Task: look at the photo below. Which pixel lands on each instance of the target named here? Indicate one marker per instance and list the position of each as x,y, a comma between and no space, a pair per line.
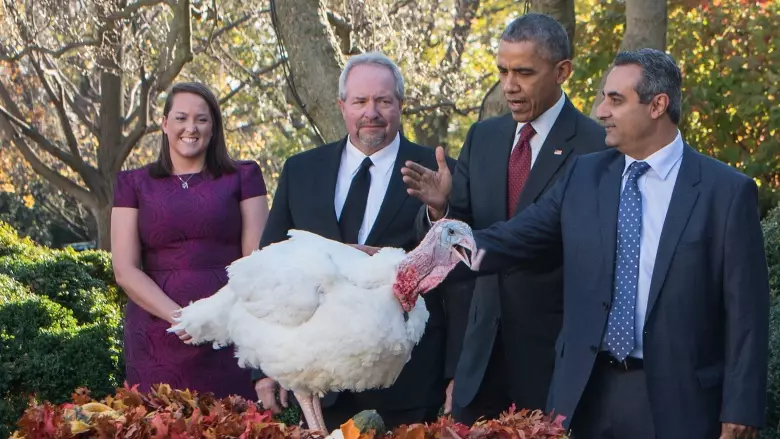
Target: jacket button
496,320
594,349
606,305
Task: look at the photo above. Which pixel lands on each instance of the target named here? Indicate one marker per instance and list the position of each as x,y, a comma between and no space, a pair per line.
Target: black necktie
355,206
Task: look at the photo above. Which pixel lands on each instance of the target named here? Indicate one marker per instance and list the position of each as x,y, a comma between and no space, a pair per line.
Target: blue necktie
620,330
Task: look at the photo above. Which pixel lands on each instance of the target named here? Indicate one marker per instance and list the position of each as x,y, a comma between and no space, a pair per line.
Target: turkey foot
312,412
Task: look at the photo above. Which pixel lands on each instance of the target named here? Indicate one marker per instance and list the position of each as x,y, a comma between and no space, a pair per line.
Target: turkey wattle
317,315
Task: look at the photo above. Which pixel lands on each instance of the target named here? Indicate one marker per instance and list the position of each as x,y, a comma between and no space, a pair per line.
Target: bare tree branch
140,129
13,116
131,9
56,53
232,25
445,104
75,106
56,99
40,168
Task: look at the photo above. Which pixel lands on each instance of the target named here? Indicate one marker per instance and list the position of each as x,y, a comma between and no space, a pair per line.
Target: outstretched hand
432,188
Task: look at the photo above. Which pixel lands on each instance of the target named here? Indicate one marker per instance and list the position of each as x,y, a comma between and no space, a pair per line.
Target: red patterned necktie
519,167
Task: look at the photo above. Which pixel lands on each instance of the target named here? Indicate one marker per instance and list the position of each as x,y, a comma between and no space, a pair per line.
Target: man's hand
432,188
448,398
266,393
736,431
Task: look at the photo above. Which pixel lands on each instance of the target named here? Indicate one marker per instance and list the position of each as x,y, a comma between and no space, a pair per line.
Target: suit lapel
684,197
496,150
324,189
609,200
396,193
551,156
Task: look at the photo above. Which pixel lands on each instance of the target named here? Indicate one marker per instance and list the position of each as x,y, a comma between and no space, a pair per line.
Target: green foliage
771,228
730,58
60,325
772,430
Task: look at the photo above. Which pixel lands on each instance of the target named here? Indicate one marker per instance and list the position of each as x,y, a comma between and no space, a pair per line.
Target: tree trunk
645,28
314,61
494,103
110,141
101,216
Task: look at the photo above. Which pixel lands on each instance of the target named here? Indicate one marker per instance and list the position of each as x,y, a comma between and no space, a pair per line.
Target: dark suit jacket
706,329
526,302
304,201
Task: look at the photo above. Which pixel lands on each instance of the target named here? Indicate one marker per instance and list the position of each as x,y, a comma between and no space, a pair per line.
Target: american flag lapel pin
558,152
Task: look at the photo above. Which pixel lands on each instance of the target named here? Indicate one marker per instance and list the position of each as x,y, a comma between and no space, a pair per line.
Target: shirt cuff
428,214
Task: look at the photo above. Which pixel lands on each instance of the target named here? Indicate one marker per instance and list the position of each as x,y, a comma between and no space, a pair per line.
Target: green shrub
771,226
60,325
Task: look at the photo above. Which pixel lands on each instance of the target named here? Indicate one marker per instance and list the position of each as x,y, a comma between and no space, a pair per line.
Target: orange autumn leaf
417,431
349,430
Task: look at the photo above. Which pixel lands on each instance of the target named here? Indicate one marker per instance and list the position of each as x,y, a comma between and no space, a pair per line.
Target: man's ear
563,70
659,105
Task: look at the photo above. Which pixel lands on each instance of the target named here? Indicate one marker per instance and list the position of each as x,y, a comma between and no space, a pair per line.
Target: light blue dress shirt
656,187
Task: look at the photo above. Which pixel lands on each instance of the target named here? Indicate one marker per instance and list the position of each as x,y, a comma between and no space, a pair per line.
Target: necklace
184,182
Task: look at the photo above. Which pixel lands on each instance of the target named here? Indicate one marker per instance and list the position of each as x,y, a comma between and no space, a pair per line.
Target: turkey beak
464,249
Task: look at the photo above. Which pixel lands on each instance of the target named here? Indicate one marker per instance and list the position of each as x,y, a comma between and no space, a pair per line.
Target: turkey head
447,243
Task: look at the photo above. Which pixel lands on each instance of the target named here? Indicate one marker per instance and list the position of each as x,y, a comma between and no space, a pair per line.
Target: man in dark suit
666,294
507,163
352,191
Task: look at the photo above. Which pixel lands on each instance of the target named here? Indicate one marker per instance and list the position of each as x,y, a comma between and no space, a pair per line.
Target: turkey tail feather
206,320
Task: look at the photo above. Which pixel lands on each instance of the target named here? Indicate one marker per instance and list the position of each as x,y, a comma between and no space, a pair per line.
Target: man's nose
601,111
371,110
509,85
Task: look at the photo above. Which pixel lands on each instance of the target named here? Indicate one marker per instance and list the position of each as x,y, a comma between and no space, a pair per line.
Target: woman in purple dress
175,226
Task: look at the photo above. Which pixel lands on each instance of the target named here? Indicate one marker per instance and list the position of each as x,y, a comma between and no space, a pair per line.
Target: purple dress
188,237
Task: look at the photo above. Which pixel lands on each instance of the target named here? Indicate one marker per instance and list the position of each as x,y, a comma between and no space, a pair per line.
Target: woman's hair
218,160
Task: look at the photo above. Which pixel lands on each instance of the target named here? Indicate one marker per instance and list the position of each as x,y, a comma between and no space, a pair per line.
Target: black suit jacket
707,322
527,303
304,200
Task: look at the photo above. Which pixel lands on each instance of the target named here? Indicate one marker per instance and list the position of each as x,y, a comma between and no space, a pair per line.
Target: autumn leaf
349,430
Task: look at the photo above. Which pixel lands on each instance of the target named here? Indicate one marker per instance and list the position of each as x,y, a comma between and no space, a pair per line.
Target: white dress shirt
656,186
381,172
542,125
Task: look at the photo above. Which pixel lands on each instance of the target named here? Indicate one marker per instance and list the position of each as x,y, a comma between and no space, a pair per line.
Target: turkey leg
307,405
315,400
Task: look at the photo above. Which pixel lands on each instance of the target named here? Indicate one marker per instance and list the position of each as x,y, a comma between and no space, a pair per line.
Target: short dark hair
660,74
218,160
547,33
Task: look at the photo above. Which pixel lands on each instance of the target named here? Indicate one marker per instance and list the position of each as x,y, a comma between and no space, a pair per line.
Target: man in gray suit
507,163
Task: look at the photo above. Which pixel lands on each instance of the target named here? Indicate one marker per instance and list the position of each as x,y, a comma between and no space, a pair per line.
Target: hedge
60,326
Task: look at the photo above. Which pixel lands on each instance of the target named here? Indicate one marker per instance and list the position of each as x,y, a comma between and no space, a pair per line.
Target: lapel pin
558,152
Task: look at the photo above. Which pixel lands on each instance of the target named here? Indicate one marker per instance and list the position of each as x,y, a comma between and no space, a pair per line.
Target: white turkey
317,315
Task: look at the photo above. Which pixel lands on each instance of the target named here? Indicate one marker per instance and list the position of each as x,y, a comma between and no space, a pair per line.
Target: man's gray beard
372,142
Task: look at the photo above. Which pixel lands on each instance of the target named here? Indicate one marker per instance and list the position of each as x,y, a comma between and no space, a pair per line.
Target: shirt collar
382,159
663,160
544,123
